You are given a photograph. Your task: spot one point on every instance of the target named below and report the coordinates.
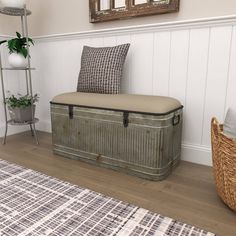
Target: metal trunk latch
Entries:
(126, 119)
(71, 112)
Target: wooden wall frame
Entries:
(130, 9)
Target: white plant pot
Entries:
(17, 61)
(13, 3)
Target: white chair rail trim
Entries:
(147, 28)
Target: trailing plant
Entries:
(21, 101)
(18, 44)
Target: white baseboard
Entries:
(12, 129)
(196, 154)
(44, 126)
(192, 153)
(41, 126)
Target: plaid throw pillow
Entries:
(101, 69)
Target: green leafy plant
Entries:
(21, 101)
(18, 44)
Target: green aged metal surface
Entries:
(149, 147)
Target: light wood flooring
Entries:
(187, 195)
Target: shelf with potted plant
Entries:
(19, 108)
(18, 52)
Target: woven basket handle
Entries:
(215, 126)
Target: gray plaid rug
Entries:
(35, 204)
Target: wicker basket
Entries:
(224, 164)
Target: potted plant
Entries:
(21, 107)
(18, 50)
(13, 3)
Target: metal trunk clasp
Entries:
(71, 112)
(126, 119)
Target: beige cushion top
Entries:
(124, 102)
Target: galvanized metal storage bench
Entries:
(137, 134)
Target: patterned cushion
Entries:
(101, 69)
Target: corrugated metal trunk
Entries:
(148, 147)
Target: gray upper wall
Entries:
(60, 16)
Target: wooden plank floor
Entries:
(188, 195)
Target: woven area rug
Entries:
(35, 204)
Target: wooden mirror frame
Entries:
(130, 9)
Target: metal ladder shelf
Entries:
(22, 13)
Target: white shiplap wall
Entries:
(192, 61)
